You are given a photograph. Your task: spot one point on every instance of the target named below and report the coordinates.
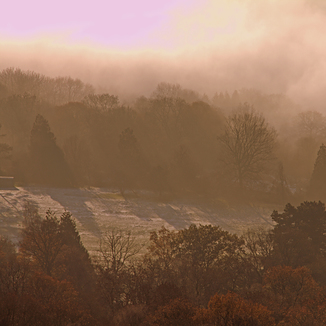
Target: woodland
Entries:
(200, 275)
(176, 142)
(242, 147)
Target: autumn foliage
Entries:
(232, 310)
(201, 275)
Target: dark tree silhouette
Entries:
(41, 239)
(248, 144)
(184, 170)
(300, 233)
(5, 150)
(102, 102)
(48, 163)
(132, 164)
(317, 187)
(116, 251)
(311, 124)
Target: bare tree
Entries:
(248, 143)
(116, 248)
(115, 252)
(311, 124)
(258, 251)
(103, 102)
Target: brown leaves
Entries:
(232, 310)
(289, 290)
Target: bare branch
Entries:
(116, 249)
(248, 144)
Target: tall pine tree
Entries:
(49, 166)
(317, 188)
(132, 163)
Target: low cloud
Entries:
(274, 46)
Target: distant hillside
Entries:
(98, 209)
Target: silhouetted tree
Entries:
(258, 253)
(79, 158)
(15, 300)
(248, 144)
(131, 171)
(5, 151)
(300, 234)
(41, 239)
(282, 187)
(184, 170)
(75, 263)
(18, 81)
(159, 179)
(317, 187)
(311, 124)
(162, 253)
(198, 259)
(102, 102)
(309, 131)
(207, 256)
(115, 254)
(3, 91)
(116, 249)
(48, 163)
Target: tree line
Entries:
(200, 275)
(176, 142)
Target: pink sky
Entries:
(273, 45)
(118, 24)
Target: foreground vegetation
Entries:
(201, 275)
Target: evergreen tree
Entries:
(300, 236)
(48, 163)
(132, 163)
(75, 263)
(5, 153)
(317, 187)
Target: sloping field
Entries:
(97, 210)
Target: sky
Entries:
(120, 25)
(126, 46)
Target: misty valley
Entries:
(174, 208)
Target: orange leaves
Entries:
(231, 310)
(178, 312)
(313, 314)
(294, 296)
(54, 301)
(28, 297)
(288, 287)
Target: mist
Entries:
(146, 185)
(272, 46)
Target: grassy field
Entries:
(97, 210)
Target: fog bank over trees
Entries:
(275, 47)
(245, 145)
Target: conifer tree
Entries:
(49, 166)
(317, 187)
(5, 152)
(132, 163)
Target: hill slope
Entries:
(97, 210)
